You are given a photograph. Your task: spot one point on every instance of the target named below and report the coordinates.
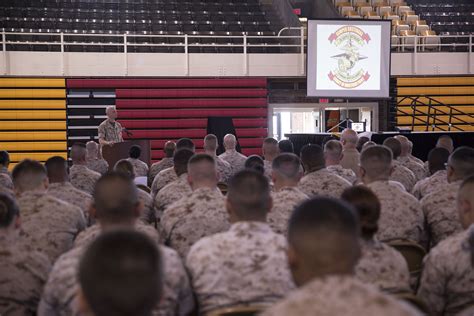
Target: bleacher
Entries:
(168, 21)
(425, 18)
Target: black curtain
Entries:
(220, 126)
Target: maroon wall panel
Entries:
(190, 93)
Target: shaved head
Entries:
(376, 163)
(125, 168)
(461, 163)
(57, 169)
(92, 149)
(29, 175)
(169, 149)
(210, 143)
(185, 143)
(78, 153)
(465, 202)
(437, 159)
(270, 148)
(202, 170)
(394, 145)
(9, 210)
(404, 144)
(115, 199)
(286, 146)
(248, 196)
(4, 158)
(361, 142)
(230, 142)
(445, 142)
(255, 163)
(323, 238)
(333, 150)
(180, 161)
(368, 144)
(287, 166)
(349, 138)
(312, 157)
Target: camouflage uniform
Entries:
(83, 178)
(4, 170)
(224, 169)
(447, 282)
(201, 214)
(428, 185)
(401, 216)
(155, 168)
(49, 224)
(59, 294)
(23, 275)
(163, 178)
(284, 202)
(171, 193)
(98, 165)
(267, 166)
(347, 174)
(67, 193)
(246, 264)
(441, 212)
(5, 181)
(350, 159)
(403, 175)
(417, 160)
(418, 169)
(339, 295)
(110, 131)
(323, 182)
(140, 167)
(383, 266)
(235, 159)
(148, 213)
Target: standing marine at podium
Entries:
(110, 131)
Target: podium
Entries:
(119, 151)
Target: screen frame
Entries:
(311, 90)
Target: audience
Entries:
(133, 257)
(380, 264)
(169, 175)
(439, 206)
(247, 263)
(317, 179)
(231, 155)
(198, 215)
(166, 162)
(94, 160)
(48, 224)
(269, 150)
(332, 157)
(115, 207)
(178, 189)
(4, 162)
(407, 160)
(447, 285)
(255, 163)
(234, 246)
(401, 216)
(324, 270)
(80, 176)
(286, 146)
(350, 154)
(23, 270)
(60, 187)
(399, 173)
(224, 169)
(437, 159)
(148, 214)
(140, 168)
(286, 173)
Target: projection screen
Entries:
(348, 58)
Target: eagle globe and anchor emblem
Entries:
(349, 39)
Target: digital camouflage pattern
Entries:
(83, 178)
(323, 183)
(245, 265)
(201, 214)
(339, 295)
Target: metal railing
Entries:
(432, 120)
(413, 43)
